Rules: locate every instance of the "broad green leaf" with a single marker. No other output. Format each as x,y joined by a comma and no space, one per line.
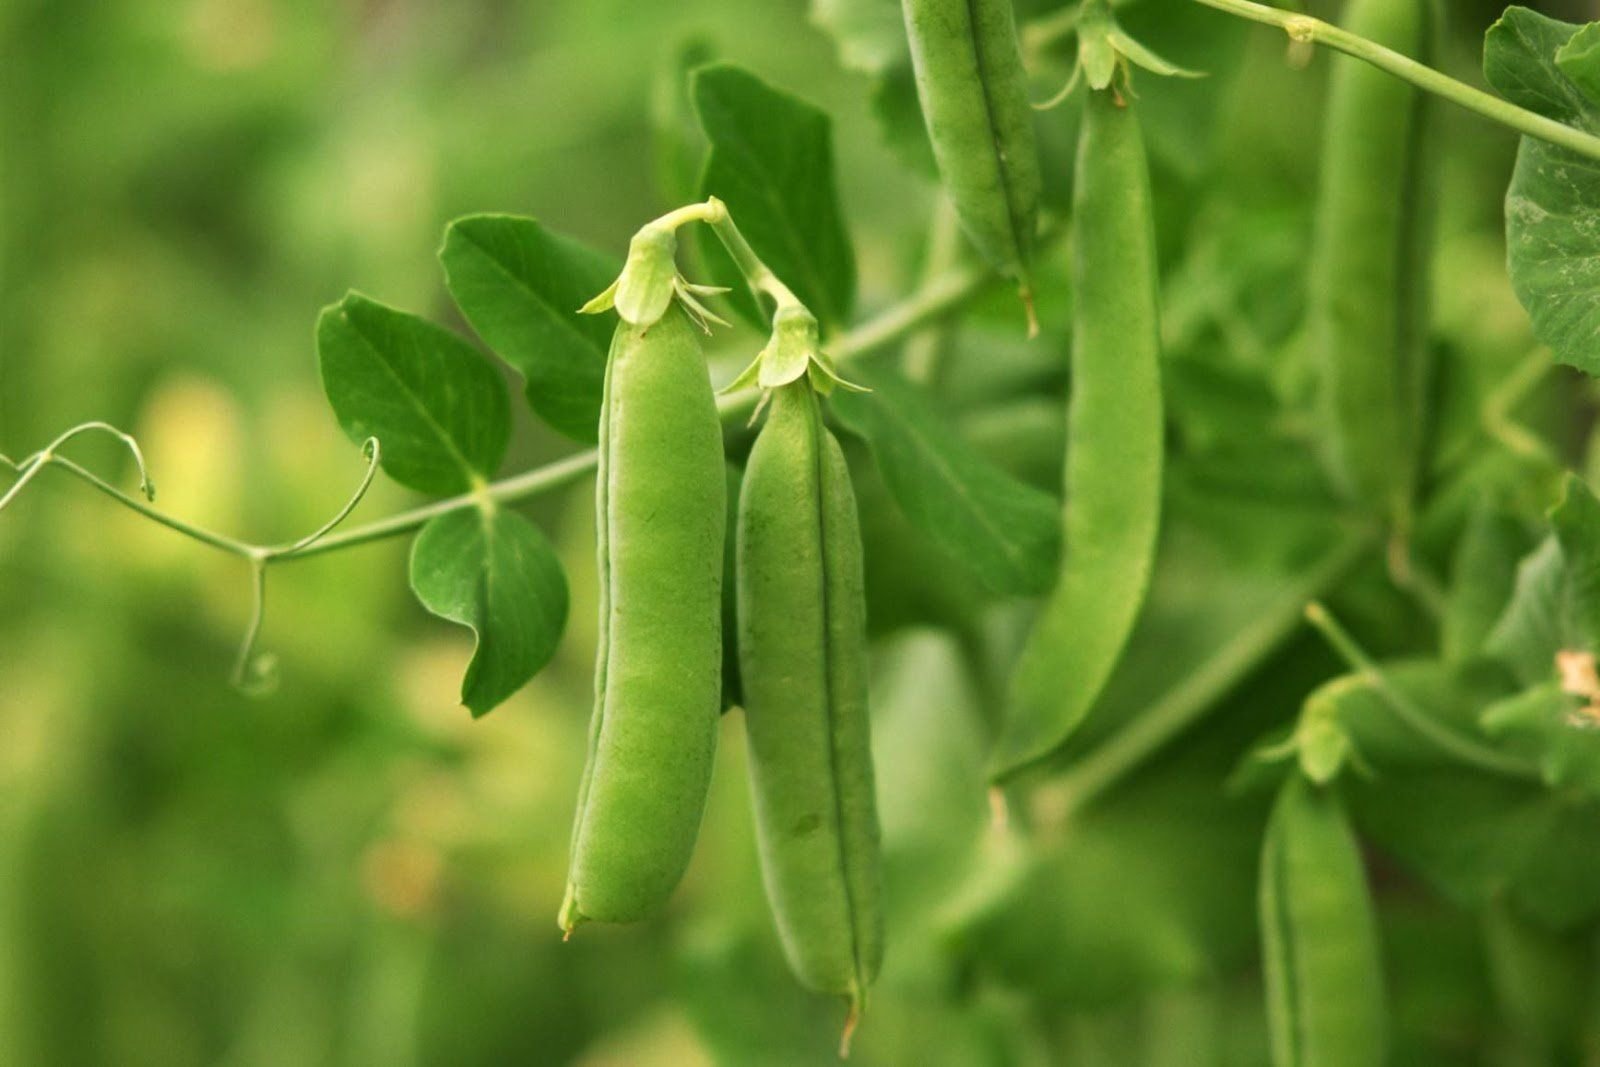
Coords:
1466,834
1519,61
1553,204
1008,533
435,403
493,572
1553,729
771,162
520,286
1579,60
1482,578
1534,626
1556,605
1472,835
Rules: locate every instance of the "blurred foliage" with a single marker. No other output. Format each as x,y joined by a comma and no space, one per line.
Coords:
350,870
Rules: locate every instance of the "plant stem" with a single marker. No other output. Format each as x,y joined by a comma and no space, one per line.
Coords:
554,475
1306,30
937,298
231,545
756,273
1406,710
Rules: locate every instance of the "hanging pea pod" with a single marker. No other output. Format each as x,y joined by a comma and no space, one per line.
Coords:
1324,977
1114,441
1368,295
974,99
661,498
802,650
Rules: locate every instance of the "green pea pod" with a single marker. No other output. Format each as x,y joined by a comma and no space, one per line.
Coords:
975,101
803,661
1368,296
661,500
1319,937
1114,443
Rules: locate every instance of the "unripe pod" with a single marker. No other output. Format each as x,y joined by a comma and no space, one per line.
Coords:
661,501
802,651
974,98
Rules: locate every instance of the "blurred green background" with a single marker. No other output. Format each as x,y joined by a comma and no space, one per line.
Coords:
350,871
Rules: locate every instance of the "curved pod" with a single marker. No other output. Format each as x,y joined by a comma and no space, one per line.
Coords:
661,501
1115,435
1319,937
802,650
975,102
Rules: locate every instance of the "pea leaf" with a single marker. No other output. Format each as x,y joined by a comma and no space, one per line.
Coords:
493,572
434,402
1553,204
1006,531
1546,725
771,161
1556,605
1519,61
1483,576
520,286
1579,60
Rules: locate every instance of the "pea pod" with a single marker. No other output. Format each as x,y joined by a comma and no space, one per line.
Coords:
802,651
975,102
1368,297
661,500
1319,938
1114,442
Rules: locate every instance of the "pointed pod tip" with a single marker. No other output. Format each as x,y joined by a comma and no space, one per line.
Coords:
1025,291
569,918
851,1021
999,809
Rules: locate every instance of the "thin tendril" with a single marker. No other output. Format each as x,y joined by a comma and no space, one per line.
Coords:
255,674
30,466
29,469
371,449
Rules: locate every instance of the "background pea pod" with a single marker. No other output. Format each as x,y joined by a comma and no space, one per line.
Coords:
803,660
975,102
1114,442
661,500
1368,298
1325,999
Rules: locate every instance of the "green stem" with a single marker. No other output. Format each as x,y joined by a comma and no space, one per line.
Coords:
939,297
1406,710
1303,29
554,475
231,545
756,273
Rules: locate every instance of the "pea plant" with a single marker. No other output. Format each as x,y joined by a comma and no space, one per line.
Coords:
1225,641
